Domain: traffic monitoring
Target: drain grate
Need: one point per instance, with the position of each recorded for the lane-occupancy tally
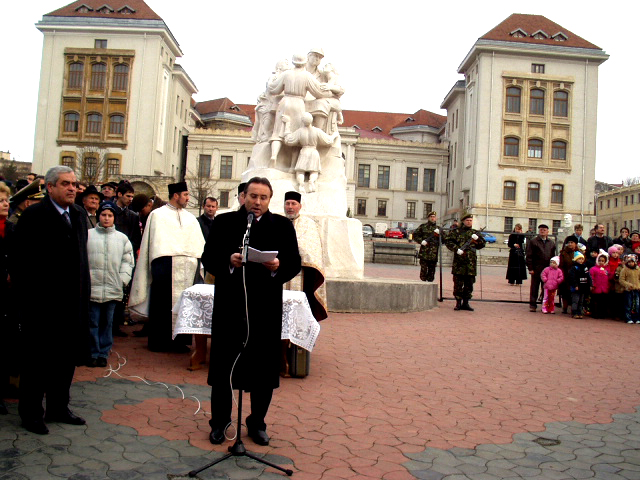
(546, 442)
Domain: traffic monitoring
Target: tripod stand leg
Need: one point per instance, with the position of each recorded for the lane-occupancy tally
(193, 473)
(257, 459)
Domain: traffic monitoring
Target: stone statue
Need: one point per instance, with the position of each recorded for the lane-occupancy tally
(267, 106)
(308, 137)
(320, 108)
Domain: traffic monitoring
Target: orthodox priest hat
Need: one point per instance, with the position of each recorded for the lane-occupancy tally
(293, 196)
(177, 188)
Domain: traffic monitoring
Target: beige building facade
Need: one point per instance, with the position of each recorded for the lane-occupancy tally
(619, 208)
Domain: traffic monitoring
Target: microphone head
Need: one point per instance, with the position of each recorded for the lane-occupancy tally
(250, 218)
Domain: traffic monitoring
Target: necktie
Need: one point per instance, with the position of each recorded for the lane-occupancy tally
(67, 218)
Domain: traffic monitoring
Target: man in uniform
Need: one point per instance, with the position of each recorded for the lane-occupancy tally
(29, 195)
(167, 264)
(428, 236)
(245, 331)
(463, 242)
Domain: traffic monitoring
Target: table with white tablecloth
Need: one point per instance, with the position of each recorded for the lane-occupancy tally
(194, 311)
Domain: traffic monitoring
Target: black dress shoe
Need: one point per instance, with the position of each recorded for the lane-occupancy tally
(3, 408)
(260, 437)
(35, 426)
(93, 363)
(216, 436)
(101, 362)
(65, 417)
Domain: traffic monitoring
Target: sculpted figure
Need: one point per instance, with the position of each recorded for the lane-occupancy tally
(267, 106)
(308, 137)
(320, 108)
(295, 84)
(332, 77)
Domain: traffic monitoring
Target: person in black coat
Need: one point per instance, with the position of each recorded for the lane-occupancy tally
(258, 367)
(8, 325)
(207, 218)
(55, 333)
(516, 268)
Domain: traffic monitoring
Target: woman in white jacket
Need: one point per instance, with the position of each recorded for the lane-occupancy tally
(111, 266)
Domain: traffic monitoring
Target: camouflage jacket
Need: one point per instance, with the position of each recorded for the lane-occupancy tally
(428, 252)
(460, 238)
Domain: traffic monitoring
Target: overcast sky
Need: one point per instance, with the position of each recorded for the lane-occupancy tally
(390, 59)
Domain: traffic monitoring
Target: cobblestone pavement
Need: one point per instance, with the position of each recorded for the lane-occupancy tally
(428, 395)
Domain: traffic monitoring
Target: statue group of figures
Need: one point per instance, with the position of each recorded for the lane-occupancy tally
(300, 108)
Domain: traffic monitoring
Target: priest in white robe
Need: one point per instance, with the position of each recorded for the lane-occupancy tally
(171, 246)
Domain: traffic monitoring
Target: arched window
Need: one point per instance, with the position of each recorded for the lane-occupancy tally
(509, 191)
(98, 76)
(557, 194)
(71, 121)
(513, 99)
(533, 192)
(559, 150)
(121, 77)
(560, 104)
(535, 148)
(76, 71)
(116, 125)
(537, 102)
(511, 147)
(94, 123)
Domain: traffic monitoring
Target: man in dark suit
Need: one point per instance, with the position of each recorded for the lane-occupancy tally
(52, 235)
(259, 325)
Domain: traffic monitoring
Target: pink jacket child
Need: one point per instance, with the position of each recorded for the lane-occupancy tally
(599, 278)
(552, 277)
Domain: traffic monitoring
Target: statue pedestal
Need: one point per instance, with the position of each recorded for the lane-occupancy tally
(343, 247)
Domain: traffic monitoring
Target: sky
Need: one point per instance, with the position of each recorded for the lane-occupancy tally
(389, 60)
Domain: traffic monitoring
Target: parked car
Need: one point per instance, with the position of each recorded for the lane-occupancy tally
(367, 231)
(489, 238)
(394, 233)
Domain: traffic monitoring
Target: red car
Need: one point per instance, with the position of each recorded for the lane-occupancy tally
(394, 233)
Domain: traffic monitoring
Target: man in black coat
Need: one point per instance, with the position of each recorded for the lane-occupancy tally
(539, 252)
(207, 218)
(52, 235)
(258, 367)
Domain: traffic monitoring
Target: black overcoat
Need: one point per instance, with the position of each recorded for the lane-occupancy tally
(259, 365)
(53, 282)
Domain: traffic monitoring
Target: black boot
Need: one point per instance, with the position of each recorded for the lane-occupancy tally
(466, 306)
(458, 305)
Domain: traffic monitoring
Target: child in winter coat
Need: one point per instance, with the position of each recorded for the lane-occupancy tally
(111, 265)
(600, 286)
(552, 277)
(630, 281)
(579, 284)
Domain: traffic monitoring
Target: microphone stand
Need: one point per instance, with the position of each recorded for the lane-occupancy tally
(238, 449)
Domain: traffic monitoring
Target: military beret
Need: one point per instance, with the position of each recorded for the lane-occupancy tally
(431, 213)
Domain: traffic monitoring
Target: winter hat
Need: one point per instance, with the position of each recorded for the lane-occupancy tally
(577, 255)
(634, 245)
(107, 206)
(614, 248)
(604, 254)
(631, 257)
(571, 238)
(555, 259)
(581, 247)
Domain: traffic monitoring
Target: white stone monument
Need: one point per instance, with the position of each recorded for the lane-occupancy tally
(298, 148)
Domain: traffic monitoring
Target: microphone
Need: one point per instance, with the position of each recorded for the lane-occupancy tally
(245, 245)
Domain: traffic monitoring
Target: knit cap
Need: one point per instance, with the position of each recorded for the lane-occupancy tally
(614, 248)
(577, 255)
(555, 259)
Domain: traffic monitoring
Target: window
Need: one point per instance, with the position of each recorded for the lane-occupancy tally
(223, 199)
(204, 167)
(383, 178)
(90, 167)
(429, 180)
(382, 208)
(94, 123)
(601, 204)
(609, 203)
(113, 166)
(362, 207)
(511, 147)
(226, 165)
(69, 162)
(508, 224)
(535, 148)
(426, 208)
(116, 125)
(537, 68)
(559, 150)
(98, 76)
(509, 192)
(121, 77)
(555, 227)
(533, 192)
(100, 44)
(533, 224)
(412, 181)
(411, 209)
(513, 99)
(76, 70)
(364, 175)
(626, 201)
(561, 104)
(615, 202)
(557, 194)
(537, 102)
(71, 121)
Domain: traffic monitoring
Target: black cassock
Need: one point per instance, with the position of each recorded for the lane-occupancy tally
(258, 368)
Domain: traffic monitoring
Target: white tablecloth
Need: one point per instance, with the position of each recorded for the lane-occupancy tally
(195, 308)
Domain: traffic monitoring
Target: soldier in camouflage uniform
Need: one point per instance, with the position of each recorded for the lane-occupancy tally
(463, 242)
(24, 198)
(428, 236)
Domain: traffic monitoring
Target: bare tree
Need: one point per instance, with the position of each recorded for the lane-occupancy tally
(627, 182)
(199, 181)
(91, 164)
